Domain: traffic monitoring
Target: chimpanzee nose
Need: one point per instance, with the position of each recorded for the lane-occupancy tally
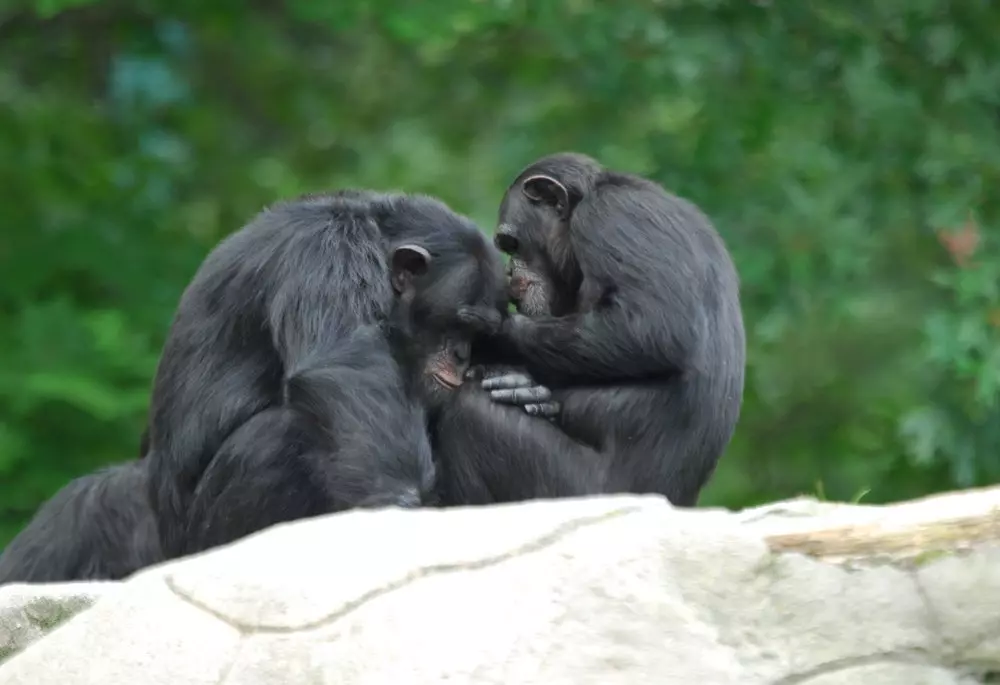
(505, 241)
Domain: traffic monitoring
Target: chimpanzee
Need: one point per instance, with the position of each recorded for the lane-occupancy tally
(317, 449)
(635, 323)
(301, 359)
(98, 527)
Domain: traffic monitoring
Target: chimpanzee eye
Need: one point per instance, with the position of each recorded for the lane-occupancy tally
(506, 243)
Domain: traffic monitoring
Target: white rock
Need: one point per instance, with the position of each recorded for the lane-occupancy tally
(602, 591)
(29, 611)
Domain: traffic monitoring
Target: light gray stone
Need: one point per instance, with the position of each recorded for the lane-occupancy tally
(890, 674)
(143, 633)
(276, 580)
(963, 595)
(29, 611)
(602, 591)
(572, 609)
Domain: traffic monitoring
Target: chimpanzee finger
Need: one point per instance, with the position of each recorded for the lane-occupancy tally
(495, 370)
(475, 373)
(508, 380)
(546, 410)
(522, 396)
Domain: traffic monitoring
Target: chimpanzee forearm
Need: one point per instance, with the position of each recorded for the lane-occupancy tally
(490, 453)
(597, 347)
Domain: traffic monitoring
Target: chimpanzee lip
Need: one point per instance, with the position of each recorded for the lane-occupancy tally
(447, 381)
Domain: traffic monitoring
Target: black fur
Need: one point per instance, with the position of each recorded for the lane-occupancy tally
(306, 351)
(296, 374)
(98, 527)
(635, 323)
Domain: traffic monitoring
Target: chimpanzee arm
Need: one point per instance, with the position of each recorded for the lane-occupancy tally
(594, 347)
(490, 453)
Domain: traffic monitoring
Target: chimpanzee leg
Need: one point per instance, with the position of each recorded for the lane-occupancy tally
(488, 453)
(97, 527)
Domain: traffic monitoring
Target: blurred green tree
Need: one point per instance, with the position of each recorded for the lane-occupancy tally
(845, 151)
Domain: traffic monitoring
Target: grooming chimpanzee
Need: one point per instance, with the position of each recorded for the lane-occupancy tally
(635, 323)
(298, 367)
(98, 527)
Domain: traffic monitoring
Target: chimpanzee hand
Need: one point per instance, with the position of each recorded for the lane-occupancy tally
(517, 387)
(512, 325)
(481, 372)
(481, 320)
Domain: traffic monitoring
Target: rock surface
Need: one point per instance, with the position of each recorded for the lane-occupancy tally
(602, 591)
(27, 612)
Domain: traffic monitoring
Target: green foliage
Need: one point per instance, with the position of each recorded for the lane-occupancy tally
(846, 152)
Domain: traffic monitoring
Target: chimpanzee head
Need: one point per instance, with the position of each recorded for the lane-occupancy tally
(441, 268)
(534, 229)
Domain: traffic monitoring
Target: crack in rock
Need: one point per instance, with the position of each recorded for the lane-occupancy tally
(536, 545)
(910, 657)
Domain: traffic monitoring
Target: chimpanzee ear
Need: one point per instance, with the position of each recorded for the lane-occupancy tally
(547, 190)
(408, 262)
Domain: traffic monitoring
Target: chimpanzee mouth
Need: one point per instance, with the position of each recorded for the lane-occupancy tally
(447, 379)
(530, 306)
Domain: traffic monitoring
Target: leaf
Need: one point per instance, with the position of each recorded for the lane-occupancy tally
(925, 431)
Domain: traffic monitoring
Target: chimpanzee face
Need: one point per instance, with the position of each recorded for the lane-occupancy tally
(530, 286)
(534, 231)
(433, 292)
(445, 360)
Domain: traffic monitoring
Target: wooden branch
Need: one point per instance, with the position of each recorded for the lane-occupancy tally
(911, 530)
